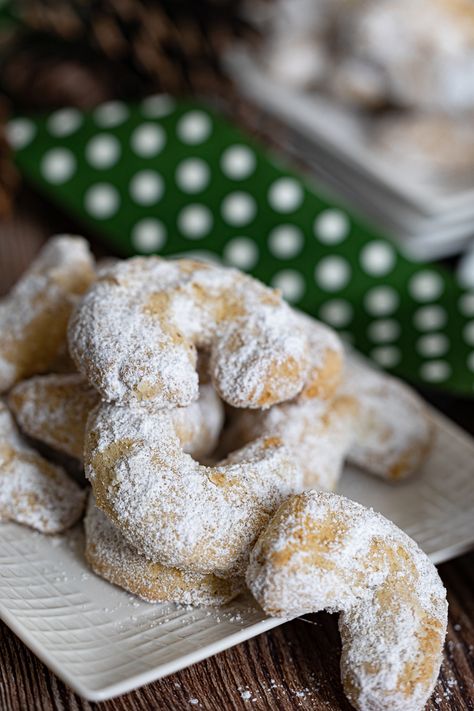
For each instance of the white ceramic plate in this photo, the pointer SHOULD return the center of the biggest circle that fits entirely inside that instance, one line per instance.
(103, 642)
(341, 131)
(422, 239)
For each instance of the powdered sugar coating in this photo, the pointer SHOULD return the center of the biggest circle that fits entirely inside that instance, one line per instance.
(174, 510)
(317, 432)
(33, 491)
(394, 431)
(34, 315)
(326, 359)
(135, 335)
(113, 558)
(54, 409)
(323, 551)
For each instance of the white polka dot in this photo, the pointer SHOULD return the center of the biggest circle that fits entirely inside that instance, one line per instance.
(146, 187)
(157, 105)
(58, 165)
(238, 162)
(470, 361)
(149, 235)
(241, 252)
(383, 331)
(432, 345)
(426, 286)
(331, 227)
(377, 258)
(64, 122)
(468, 333)
(466, 304)
(111, 113)
(435, 371)
(332, 273)
(148, 140)
(20, 132)
(285, 241)
(103, 151)
(238, 208)
(195, 221)
(336, 312)
(194, 127)
(428, 318)
(102, 200)
(386, 356)
(285, 195)
(192, 175)
(381, 301)
(290, 283)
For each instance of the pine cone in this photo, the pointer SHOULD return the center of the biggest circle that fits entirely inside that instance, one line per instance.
(173, 45)
(42, 74)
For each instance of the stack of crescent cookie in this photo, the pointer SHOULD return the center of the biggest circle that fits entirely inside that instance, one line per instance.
(213, 422)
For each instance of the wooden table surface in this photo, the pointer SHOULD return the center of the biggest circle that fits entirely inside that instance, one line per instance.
(295, 666)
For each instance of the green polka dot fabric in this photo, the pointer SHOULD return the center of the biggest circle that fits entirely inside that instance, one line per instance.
(174, 178)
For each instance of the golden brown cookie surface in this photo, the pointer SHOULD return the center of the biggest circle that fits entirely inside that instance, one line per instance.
(113, 558)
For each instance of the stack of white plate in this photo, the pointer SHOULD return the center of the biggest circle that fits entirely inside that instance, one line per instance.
(429, 219)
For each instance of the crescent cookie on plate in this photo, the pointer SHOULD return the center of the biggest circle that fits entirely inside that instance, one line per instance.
(322, 551)
(35, 314)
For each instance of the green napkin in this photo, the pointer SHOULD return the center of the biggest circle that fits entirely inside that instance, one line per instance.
(175, 178)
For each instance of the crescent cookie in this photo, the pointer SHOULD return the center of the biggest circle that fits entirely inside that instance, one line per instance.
(54, 409)
(173, 509)
(135, 334)
(34, 315)
(113, 558)
(394, 432)
(33, 491)
(322, 551)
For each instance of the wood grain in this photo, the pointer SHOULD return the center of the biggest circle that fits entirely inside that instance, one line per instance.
(295, 666)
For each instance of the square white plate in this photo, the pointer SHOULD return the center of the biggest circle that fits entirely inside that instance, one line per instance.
(331, 126)
(422, 239)
(103, 642)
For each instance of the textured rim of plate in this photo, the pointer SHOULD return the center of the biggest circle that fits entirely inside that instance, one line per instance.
(147, 677)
